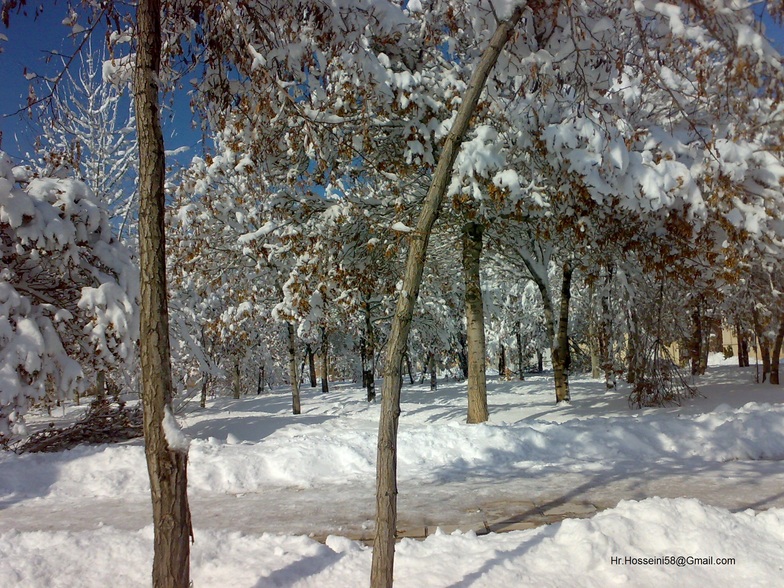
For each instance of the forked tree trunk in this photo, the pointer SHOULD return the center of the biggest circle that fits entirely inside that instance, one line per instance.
(167, 467)
(382, 565)
(293, 375)
(475, 323)
(561, 356)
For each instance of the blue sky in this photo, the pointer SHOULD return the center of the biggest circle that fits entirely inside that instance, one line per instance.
(30, 39)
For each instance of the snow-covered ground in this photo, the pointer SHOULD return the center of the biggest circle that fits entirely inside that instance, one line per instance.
(701, 480)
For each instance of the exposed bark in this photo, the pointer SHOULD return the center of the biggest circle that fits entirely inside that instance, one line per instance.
(311, 366)
(382, 565)
(475, 324)
(561, 356)
(593, 334)
(293, 375)
(167, 468)
(324, 361)
(260, 383)
(539, 361)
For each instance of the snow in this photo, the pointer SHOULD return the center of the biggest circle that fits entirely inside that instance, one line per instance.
(676, 481)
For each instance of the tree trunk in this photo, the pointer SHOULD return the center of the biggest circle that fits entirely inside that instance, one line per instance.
(369, 375)
(237, 381)
(561, 355)
(593, 334)
(462, 354)
(311, 366)
(605, 333)
(776, 355)
(296, 406)
(475, 323)
(382, 565)
(765, 352)
(520, 367)
(501, 362)
(539, 361)
(205, 383)
(324, 361)
(167, 467)
(408, 367)
(431, 366)
(695, 345)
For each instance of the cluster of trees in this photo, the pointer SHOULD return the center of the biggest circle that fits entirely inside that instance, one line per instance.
(393, 185)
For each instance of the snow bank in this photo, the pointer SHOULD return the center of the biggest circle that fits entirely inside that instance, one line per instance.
(571, 553)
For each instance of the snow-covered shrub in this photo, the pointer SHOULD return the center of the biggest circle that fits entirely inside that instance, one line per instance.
(68, 291)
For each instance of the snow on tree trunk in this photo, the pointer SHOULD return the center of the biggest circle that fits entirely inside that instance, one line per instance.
(167, 466)
(382, 565)
(293, 375)
(561, 357)
(475, 324)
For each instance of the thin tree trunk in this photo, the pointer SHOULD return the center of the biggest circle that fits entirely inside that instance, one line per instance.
(167, 467)
(369, 375)
(593, 334)
(431, 366)
(561, 355)
(205, 382)
(311, 366)
(776, 355)
(520, 367)
(539, 361)
(501, 362)
(296, 406)
(695, 345)
(382, 565)
(324, 361)
(237, 383)
(408, 367)
(606, 334)
(462, 354)
(475, 323)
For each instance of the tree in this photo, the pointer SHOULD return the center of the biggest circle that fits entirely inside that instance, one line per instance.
(386, 469)
(68, 292)
(91, 128)
(166, 451)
